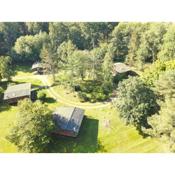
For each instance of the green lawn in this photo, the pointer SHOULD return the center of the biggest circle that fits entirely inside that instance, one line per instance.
(7, 118)
(102, 131)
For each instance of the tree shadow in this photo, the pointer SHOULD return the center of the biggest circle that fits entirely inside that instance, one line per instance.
(22, 68)
(4, 107)
(85, 142)
(4, 84)
(49, 100)
(101, 148)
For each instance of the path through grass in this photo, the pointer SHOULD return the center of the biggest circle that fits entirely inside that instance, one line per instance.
(102, 130)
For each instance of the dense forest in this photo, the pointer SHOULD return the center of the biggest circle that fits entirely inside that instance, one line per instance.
(81, 56)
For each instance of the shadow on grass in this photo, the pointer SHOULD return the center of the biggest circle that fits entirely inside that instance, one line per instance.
(85, 142)
(4, 107)
(49, 100)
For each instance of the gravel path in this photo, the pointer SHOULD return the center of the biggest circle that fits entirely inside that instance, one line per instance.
(61, 99)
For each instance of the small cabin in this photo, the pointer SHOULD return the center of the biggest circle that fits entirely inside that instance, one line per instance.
(17, 92)
(38, 68)
(121, 71)
(120, 68)
(68, 121)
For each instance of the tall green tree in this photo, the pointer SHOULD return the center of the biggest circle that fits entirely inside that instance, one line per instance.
(32, 131)
(151, 42)
(65, 50)
(50, 59)
(120, 41)
(5, 67)
(165, 85)
(94, 32)
(152, 73)
(107, 68)
(136, 33)
(162, 124)
(135, 101)
(37, 27)
(96, 60)
(167, 51)
(58, 32)
(28, 47)
(79, 64)
(76, 36)
(9, 32)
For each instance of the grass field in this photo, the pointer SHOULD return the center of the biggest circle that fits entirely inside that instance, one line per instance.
(7, 118)
(102, 130)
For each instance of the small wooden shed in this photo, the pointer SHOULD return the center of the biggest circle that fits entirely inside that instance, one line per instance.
(38, 68)
(17, 92)
(119, 68)
(68, 120)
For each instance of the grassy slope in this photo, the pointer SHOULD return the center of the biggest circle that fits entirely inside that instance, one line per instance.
(101, 131)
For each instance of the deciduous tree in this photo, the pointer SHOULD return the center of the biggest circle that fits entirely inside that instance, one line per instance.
(135, 101)
(32, 131)
(162, 124)
(50, 59)
(58, 32)
(9, 32)
(167, 51)
(5, 67)
(165, 85)
(28, 47)
(36, 27)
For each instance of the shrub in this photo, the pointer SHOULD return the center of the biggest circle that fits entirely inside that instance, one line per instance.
(101, 97)
(93, 93)
(77, 88)
(83, 97)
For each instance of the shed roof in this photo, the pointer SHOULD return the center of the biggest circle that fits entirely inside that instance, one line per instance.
(68, 118)
(19, 90)
(121, 68)
(37, 65)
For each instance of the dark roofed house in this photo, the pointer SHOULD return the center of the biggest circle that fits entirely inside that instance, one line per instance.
(121, 71)
(68, 120)
(120, 68)
(17, 92)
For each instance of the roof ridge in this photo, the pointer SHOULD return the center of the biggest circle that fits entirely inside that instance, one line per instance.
(71, 117)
